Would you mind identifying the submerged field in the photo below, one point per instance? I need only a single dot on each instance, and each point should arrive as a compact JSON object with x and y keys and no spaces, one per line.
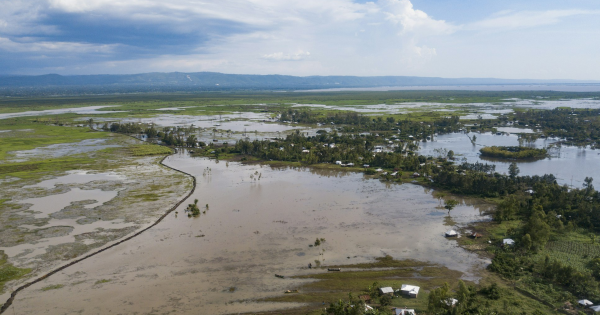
{"x":69,"y":188}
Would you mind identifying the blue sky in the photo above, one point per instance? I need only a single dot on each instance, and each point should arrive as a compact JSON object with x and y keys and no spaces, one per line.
{"x":446,"y":38}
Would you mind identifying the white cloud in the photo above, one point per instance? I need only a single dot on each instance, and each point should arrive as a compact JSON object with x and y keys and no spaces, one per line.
{"x":403,"y":13}
{"x":7,"y":44}
{"x":279,"y":56}
{"x":509,"y":20}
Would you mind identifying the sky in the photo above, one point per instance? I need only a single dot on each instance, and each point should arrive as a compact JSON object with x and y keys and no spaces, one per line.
{"x":512,"y":39}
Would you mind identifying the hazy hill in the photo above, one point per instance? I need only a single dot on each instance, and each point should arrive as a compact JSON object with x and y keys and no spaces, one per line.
{"x":221,"y":80}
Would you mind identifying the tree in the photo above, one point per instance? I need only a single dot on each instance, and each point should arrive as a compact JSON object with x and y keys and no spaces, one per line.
{"x":438,"y":298}
{"x":513,"y":170}
{"x":537,"y":228}
{"x":451,"y":155}
{"x":450,"y":204}
{"x":526,"y":242}
{"x":191,"y":141}
{"x":588,"y":184}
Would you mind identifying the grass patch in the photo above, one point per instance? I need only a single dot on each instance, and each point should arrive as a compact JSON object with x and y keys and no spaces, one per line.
{"x":27,"y":135}
{"x":8,"y":272}
{"x":386,"y":271}
{"x":52,"y":287}
{"x":101,"y":281}
{"x":149,"y":149}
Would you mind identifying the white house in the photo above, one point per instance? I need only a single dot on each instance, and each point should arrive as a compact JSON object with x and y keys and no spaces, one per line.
{"x":305,"y":151}
{"x":450,"y":302}
{"x":338,"y":162}
{"x":596,"y":308}
{"x":410,"y":290}
{"x":508,"y":242}
{"x":404,"y":311}
{"x":451,"y":233}
{"x":386,"y":290}
{"x":585,"y":303}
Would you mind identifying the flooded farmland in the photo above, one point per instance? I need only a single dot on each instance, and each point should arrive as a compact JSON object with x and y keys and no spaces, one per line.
{"x":571,"y":165}
{"x":260,"y":220}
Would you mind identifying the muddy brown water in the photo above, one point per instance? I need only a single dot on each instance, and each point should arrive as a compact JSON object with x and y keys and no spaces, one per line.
{"x":253,"y":229}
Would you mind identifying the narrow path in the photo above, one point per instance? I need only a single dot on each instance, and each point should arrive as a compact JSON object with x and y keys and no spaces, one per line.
{"x":10,"y":300}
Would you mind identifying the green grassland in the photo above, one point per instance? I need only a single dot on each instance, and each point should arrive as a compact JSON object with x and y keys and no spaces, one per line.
{"x":386,"y":271}
{"x":9,"y":272}
{"x":149,"y":149}
{"x":230,"y":101}
{"x":26,"y":135}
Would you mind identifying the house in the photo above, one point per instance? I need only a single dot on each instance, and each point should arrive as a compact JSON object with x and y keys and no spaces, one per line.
{"x":305,"y":151}
{"x":476,"y":235}
{"x":450,"y":302}
{"x":596,"y":308}
{"x":404,"y":311}
{"x":366,"y":165}
{"x":350,"y":164}
{"x":415,"y":174}
{"x":338,"y":162}
{"x":410,"y":290}
{"x":508,"y":242}
{"x":451,"y":233}
{"x":585,"y":303}
{"x":386,"y":290}
{"x":378,"y":170}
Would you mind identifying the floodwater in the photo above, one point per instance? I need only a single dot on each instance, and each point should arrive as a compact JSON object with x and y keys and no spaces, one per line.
{"x":61,"y":149}
{"x":260,"y":221}
{"x":591,"y":87}
{"x":60,"y":229}
{"x":90,"y":110}
{"x":77,"y":177}
{"x":571,"y":165}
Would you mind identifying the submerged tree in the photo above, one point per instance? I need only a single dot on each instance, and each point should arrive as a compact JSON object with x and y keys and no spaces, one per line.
{"x":192,"y":209}
{"x":450,"y":204}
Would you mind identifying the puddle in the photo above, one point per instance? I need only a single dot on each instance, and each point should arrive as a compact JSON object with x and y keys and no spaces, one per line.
{"x":45,"y":206}
{"x":254,"y":229}
{"x":570,"y":165}
{"x":61,"y":149}
{"x":515,"y":130}
{"x":77,"y":177}
{"x":90,"y":110}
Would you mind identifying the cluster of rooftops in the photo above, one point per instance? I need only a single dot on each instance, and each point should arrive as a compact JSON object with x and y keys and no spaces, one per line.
{"x":589,"y":304}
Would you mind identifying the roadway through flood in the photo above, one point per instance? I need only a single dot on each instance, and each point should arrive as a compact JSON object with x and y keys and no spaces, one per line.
{"x":260,"y":220}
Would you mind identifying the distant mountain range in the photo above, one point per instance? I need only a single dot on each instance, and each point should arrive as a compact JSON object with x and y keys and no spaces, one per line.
{"x":214,"y":80}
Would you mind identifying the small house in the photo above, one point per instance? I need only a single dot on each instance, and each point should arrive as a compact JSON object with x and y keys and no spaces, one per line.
{"x":305,"y":151}
{"x":596,"y":308}
{"x":386,"y":291}
{"x":450,"y":302}
{"x":404,"y":311}
{"x":366,"y":165}
{"x":508,"y":242}
{"x":338,"y":162}
{"x":410,"y":290}
{"x":350,"y":164}
{"x":585,"y":303}
{"x":451,"y":233}
{"x":415,"y":175}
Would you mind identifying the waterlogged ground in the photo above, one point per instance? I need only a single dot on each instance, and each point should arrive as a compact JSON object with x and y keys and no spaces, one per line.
{"x":570,"y":165}
{"x":261,"y":220}
{"x":49,"y":218}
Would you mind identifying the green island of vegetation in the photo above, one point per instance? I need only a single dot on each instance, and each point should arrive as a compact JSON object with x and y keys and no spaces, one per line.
{"x":515,"y":152}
